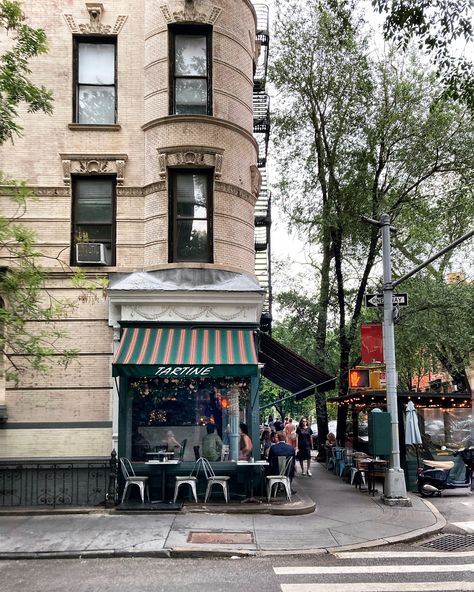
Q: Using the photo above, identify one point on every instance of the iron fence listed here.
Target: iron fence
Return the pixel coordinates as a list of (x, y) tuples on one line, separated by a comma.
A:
[(81, 482)]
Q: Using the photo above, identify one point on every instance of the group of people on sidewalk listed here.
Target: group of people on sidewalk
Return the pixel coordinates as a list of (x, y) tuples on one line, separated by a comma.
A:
[(288, 440)]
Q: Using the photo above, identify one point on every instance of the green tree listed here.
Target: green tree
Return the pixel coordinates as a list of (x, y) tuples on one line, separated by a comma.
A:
[(437, 330), (24, 43), (357, 135), (437, 25), (27, 337)]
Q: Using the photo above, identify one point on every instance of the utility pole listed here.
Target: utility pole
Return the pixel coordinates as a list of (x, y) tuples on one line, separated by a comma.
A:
[(395, 492), (394, 484)]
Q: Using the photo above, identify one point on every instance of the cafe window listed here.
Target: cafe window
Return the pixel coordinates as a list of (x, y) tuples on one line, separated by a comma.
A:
[(169, 410), (93, 228), (190, 71), (95, 97), (190, 216)]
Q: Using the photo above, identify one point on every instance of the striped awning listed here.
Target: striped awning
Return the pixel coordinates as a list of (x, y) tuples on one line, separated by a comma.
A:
[(182, 352)]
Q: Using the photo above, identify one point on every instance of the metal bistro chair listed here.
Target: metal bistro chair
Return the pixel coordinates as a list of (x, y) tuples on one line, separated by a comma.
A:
[(182, 449), (132, 479), (213, 479), (283, 478), (190, 480)]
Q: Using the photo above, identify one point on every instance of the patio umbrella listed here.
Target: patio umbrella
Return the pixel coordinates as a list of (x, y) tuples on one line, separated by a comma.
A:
[(412, 429)]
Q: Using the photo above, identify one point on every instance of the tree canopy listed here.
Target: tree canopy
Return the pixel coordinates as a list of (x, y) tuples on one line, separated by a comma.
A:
[(23, 43), (28, 337), (356, 134), (442, 28)]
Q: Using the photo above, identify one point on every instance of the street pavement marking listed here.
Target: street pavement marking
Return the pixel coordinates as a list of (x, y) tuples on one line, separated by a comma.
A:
[(380, 587), (467, 526), (371, 569), (398, 554)]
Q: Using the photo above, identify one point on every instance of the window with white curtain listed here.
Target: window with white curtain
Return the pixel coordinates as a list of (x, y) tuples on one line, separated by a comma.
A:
[(95, 68)]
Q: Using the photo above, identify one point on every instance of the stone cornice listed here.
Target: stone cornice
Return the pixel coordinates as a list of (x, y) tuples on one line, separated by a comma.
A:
[(209, 119), (60, 191), (234, 190)]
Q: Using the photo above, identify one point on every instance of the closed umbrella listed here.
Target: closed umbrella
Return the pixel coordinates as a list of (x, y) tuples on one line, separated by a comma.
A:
[(412, 429)]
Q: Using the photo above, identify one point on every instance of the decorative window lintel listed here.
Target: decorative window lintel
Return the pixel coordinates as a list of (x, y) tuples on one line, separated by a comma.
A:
[(95, 25), (190, 14), (93, 164), (190, 156)]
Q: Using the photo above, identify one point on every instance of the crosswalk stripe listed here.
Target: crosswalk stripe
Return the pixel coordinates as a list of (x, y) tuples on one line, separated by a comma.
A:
[(371, 569), (380, 587), (400, 554)]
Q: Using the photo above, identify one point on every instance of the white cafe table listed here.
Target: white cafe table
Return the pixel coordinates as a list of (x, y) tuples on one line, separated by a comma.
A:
[(163, 464), (252, 465)]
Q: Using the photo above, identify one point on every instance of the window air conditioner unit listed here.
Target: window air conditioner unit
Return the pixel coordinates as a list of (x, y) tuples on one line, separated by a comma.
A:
[(90, 253)]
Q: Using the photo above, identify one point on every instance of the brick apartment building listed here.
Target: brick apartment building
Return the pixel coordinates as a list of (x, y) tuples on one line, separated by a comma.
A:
[(149, 172)]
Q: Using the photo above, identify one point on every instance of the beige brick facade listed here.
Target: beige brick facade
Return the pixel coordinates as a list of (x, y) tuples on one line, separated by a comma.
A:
[(139, 149)]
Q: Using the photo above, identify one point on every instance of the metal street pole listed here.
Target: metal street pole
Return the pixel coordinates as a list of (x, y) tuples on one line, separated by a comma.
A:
[(395, 492), (394, 485)]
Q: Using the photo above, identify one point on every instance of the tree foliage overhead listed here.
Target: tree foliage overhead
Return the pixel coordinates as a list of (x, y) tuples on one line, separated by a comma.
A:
[(360, 135), (16, 88), (437, 25)]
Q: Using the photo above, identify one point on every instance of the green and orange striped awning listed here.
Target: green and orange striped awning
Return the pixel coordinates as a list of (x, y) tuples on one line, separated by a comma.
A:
[(181, 352)]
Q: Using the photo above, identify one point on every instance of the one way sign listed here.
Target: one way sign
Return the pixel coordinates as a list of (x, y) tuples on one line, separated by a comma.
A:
[(376, 300)]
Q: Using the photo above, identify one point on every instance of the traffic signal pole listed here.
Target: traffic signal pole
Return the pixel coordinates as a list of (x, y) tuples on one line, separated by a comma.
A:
[(394, 485), (395, 492)]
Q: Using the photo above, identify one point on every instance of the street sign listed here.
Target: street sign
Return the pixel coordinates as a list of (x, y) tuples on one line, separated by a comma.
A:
[(376, 300)]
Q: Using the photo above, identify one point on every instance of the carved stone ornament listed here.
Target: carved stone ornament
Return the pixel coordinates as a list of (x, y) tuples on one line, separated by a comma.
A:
[(95, 26), (190, 14), (85, 164), (255, 179), (190, 156), (187, 313), (236, 191)]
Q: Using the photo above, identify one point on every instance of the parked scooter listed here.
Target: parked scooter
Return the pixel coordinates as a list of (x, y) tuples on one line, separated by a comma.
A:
[(435, 476)]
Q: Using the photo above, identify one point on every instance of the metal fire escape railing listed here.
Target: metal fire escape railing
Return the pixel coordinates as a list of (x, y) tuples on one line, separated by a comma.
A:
[(261, 130)]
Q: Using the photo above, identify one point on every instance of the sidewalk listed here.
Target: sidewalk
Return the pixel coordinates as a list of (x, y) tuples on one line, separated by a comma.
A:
[(325, 515)]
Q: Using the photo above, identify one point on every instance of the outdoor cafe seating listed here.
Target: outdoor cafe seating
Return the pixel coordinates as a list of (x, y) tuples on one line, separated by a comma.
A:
[(357, 468)]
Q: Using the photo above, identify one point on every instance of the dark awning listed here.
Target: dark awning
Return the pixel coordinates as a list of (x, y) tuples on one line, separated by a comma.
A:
[(289, 370), (190, 352)]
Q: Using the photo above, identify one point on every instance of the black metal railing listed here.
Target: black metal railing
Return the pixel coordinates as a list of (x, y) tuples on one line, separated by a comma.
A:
[(263, 40), (53, 483)]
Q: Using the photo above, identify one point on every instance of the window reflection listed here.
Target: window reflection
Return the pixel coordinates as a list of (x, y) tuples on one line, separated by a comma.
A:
[(191, 74), (96, 93), (191, 225)]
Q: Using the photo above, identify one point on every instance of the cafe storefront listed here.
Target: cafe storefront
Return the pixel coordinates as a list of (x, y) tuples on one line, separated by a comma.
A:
[(174, 380), (189, 352)]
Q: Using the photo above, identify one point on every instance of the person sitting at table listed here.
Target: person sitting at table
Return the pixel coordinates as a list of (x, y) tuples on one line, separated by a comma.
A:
[(246, 446), (331, 439), (172, 445), (278, 450), (265, 443), (211, 444)]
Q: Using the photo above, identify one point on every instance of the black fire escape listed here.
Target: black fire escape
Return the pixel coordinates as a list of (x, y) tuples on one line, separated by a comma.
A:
[(261, 130)]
